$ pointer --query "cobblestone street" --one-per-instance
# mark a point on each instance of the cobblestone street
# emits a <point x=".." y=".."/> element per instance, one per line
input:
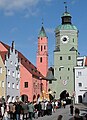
<point x="65" y="112"/>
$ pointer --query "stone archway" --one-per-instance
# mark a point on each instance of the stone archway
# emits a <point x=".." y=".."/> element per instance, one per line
<point x="84" y="100"/>
<point x="24" y="98"/>
<point x="63" y="95"/>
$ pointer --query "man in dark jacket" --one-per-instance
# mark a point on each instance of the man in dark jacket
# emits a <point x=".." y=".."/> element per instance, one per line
<point x="18" y="109"/>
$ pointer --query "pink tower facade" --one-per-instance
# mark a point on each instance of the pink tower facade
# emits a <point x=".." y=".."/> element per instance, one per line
<point x="42" y="56"/>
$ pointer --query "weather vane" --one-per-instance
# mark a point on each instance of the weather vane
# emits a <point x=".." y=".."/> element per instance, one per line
<point x="42" y="21"/>
<point x="65" y="6"/>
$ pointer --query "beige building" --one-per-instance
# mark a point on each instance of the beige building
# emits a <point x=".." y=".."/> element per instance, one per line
<point x="2" y="79"/>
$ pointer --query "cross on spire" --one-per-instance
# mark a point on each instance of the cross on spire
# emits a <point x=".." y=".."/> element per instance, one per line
<point x="65" y="6"/>
<point x="42" y="21"/>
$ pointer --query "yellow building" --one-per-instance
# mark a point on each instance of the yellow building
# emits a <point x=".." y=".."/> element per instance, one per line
<point x="2" y="79"/>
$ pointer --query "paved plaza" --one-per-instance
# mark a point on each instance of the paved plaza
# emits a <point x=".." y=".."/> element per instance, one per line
<point x="63" y="111"/>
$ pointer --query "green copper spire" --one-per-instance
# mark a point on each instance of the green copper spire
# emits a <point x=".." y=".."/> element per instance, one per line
<point x="42" y="32"/>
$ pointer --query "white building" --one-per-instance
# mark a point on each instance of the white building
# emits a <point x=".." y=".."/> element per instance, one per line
<point x="81" y="80"/>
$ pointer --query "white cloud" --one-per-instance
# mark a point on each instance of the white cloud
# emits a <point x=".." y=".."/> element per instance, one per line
<point x="50" y="30"/>
<point x="14" y="29"/>
<point x="10" y="6"/>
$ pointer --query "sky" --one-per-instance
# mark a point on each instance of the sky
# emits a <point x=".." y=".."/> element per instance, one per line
<point x="21" y="21"/>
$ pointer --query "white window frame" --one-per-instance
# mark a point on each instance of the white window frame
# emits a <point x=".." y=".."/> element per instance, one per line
<point x="2" y="84"/>
<point x="0" y="70"/>
<point x="8" y="84"/>
<point x="17" y="86"/>
<point x="8" y="72"/>
<point x="13" y="74"/>
<point x="13" y="85"/>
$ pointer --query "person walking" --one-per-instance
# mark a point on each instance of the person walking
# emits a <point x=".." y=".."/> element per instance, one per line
<point x="71" y="109"/>
<point x="60" y="117"/>
<point x="30" y="110"/>
<point x="77" y="116"/>
<point x="18" y="109"/>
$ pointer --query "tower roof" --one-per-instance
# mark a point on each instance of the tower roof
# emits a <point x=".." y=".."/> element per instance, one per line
<point x="66" y="14"/>
<point x="42" y="32"/>
<point x="66" y="27"/>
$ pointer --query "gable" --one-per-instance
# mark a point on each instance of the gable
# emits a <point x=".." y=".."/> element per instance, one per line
<point x="2" y="48"/>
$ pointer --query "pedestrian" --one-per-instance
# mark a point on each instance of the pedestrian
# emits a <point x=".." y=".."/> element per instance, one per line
<point x="64" y="103"/>
<point x="39" y="108"/>
<point x="43" y="108"/>
<point x="18" y="109"/>
<point x="11" y="110"/>
<point x="71" y="109"/>
<point x="30" y="110"/>
<point x="77" y="116"/>
<point x="85" y="117"/>
<point x="60" y="117"/>
<point x="49" y="108"/>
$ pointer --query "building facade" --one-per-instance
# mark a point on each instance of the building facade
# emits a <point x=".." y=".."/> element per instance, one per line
<point x="81" y="80"/>
<point x="2" y="78"/>
<point x="20" y="70"/>
<point x="65" y="56"/>
<point x="12" y="74"/>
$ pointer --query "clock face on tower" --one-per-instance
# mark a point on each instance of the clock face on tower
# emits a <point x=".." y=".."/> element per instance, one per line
<point x="65" y="39"/>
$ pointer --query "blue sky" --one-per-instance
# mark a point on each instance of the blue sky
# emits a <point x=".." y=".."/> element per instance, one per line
<point x="21" y="20"/>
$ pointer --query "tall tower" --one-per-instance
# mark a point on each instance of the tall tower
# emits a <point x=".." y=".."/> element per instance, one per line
<point x="42" y="55"/>
<point x="65" y="55"/>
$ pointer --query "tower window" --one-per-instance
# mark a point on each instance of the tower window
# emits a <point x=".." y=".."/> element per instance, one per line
<point x="69" y="57"/>
<point x="26" y="84"/>
<point x="41" y="59"/>
<point x="44" y="47"/>
<point x="41" y="48"/>
<point x="68" y="69"/>
<point x="73" y="39"/>
<point x="60" y="57"/>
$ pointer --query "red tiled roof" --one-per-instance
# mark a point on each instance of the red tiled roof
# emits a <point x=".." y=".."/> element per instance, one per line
<point x="3" y="53"/>
<point x="86" y="61"/>
<point x="25" y="62"/>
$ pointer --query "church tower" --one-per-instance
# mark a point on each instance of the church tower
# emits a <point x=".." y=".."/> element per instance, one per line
<point x="42" y="55"/>
<point x="65" y="55"/>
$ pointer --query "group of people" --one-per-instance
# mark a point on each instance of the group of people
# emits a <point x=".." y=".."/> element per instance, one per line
<point x="18" y="110"/>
